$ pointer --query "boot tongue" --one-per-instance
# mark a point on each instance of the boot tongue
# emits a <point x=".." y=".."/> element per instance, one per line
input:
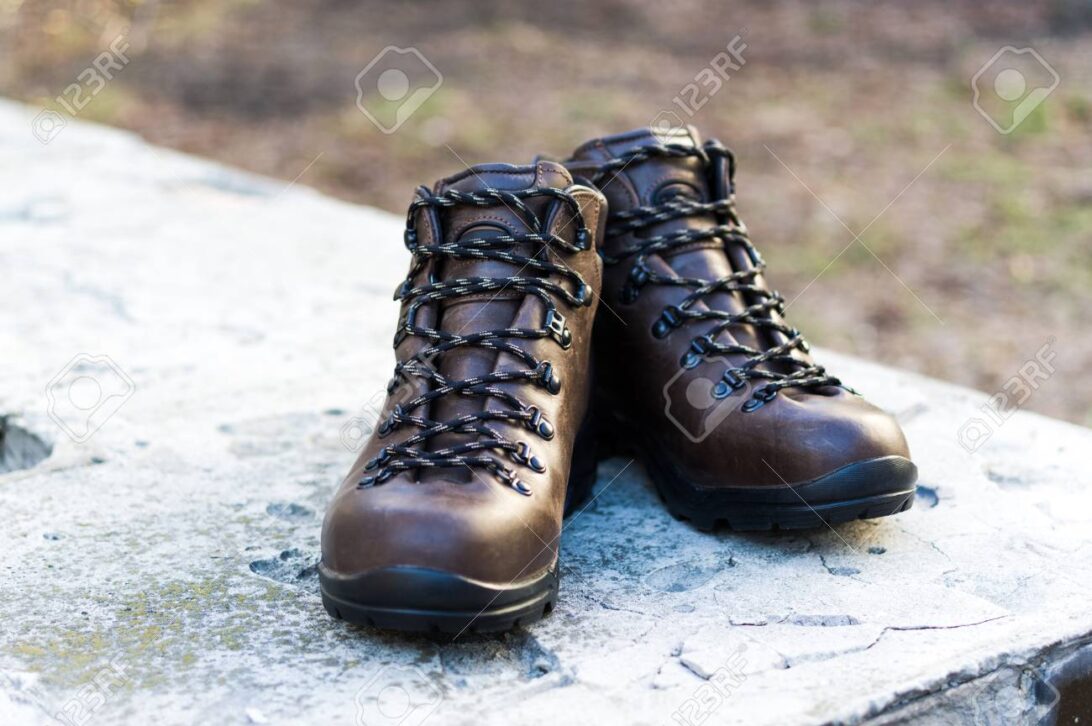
<point x="487" y="311"/>
<point x="653" y="181"/>
<point x="473" y="314"/>
<point x="507" y="177"/>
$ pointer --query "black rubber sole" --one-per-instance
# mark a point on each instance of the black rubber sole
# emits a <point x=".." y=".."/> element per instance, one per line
<point x="442" y="602"/>
<point x="836" y="498"/>
<point x="862" y="490"/>
<point x="422" y="600"/>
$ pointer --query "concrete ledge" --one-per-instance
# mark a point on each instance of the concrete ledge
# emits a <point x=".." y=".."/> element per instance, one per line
<point x="158" y="557"/>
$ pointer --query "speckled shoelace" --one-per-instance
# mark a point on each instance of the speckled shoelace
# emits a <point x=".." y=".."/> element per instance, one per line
<point x="483" y="439"/>
<point x="719" y="164"/>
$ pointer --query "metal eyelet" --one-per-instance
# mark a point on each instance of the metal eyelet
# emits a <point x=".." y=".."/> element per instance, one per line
<point x="555" y="323"/>
<point x="538" y="424"/>
<point x="583" y="238"/>
<point x="669" y="319"/>
<point x="690" y="360"/>
<point x="510" y="478"/>
<point x="523" y="455"/>
<point x="721" y="390"/>
<point x="550" y="379"/>
<point x="699" y="348"/>
<point x="375" y="479"/>
<point x="701" y="345"/>
<point x="409" y="237"/>
<point x="638" y="276"/>
<point x="583" y="295"/>
<point x="387" y="425"/>
<point x="759" y="399"/>
<point x="380" y="459"/>
<point x="733" y="380"/>
<point x="406" y="321"/>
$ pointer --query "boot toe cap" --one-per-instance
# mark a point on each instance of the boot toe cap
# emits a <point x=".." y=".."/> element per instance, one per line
<point x="795" y="440"/>
<point x="446" y="527"/>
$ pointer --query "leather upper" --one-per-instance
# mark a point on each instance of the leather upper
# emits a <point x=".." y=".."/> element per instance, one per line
<point x="798" y="436"/>
<point x="460" y="519"/>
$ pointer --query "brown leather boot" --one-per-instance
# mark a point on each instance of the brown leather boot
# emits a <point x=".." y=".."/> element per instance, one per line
<point x="734" y="420"/>
<point x="450" y="518"/>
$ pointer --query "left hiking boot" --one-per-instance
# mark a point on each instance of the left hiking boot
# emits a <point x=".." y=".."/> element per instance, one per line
<point x="735" y="422"/>
<point x="450" y="518"/>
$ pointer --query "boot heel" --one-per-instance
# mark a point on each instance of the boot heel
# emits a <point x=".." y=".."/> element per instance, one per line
<point x="584" y="466"/>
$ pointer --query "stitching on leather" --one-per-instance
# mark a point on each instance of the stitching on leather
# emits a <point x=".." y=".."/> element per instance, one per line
<point x="478" y="172"/>
<point x="478" y="218"/>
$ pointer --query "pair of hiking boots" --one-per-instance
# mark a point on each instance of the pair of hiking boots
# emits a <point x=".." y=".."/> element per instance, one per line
<point x="550" y="310"/>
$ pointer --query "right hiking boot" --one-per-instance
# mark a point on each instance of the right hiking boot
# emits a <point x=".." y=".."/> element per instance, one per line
<point x="450" y="518"/>
<point x="702" y="376"/>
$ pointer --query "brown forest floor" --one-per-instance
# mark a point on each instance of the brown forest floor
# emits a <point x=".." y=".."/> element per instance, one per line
<point x="964" y="274"/>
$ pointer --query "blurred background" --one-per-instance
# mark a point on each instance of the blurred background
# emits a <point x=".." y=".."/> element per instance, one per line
<point x="849" y="118"/>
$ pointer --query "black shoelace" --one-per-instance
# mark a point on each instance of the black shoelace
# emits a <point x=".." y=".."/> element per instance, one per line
<point x="484" y="440"/>
<point x="719" y="164"/>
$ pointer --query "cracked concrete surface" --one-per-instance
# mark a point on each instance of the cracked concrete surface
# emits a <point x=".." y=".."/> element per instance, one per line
<point x="166" y="565"/>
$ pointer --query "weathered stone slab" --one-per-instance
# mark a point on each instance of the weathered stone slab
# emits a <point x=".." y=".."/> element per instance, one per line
<point x="158" y="554"/>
